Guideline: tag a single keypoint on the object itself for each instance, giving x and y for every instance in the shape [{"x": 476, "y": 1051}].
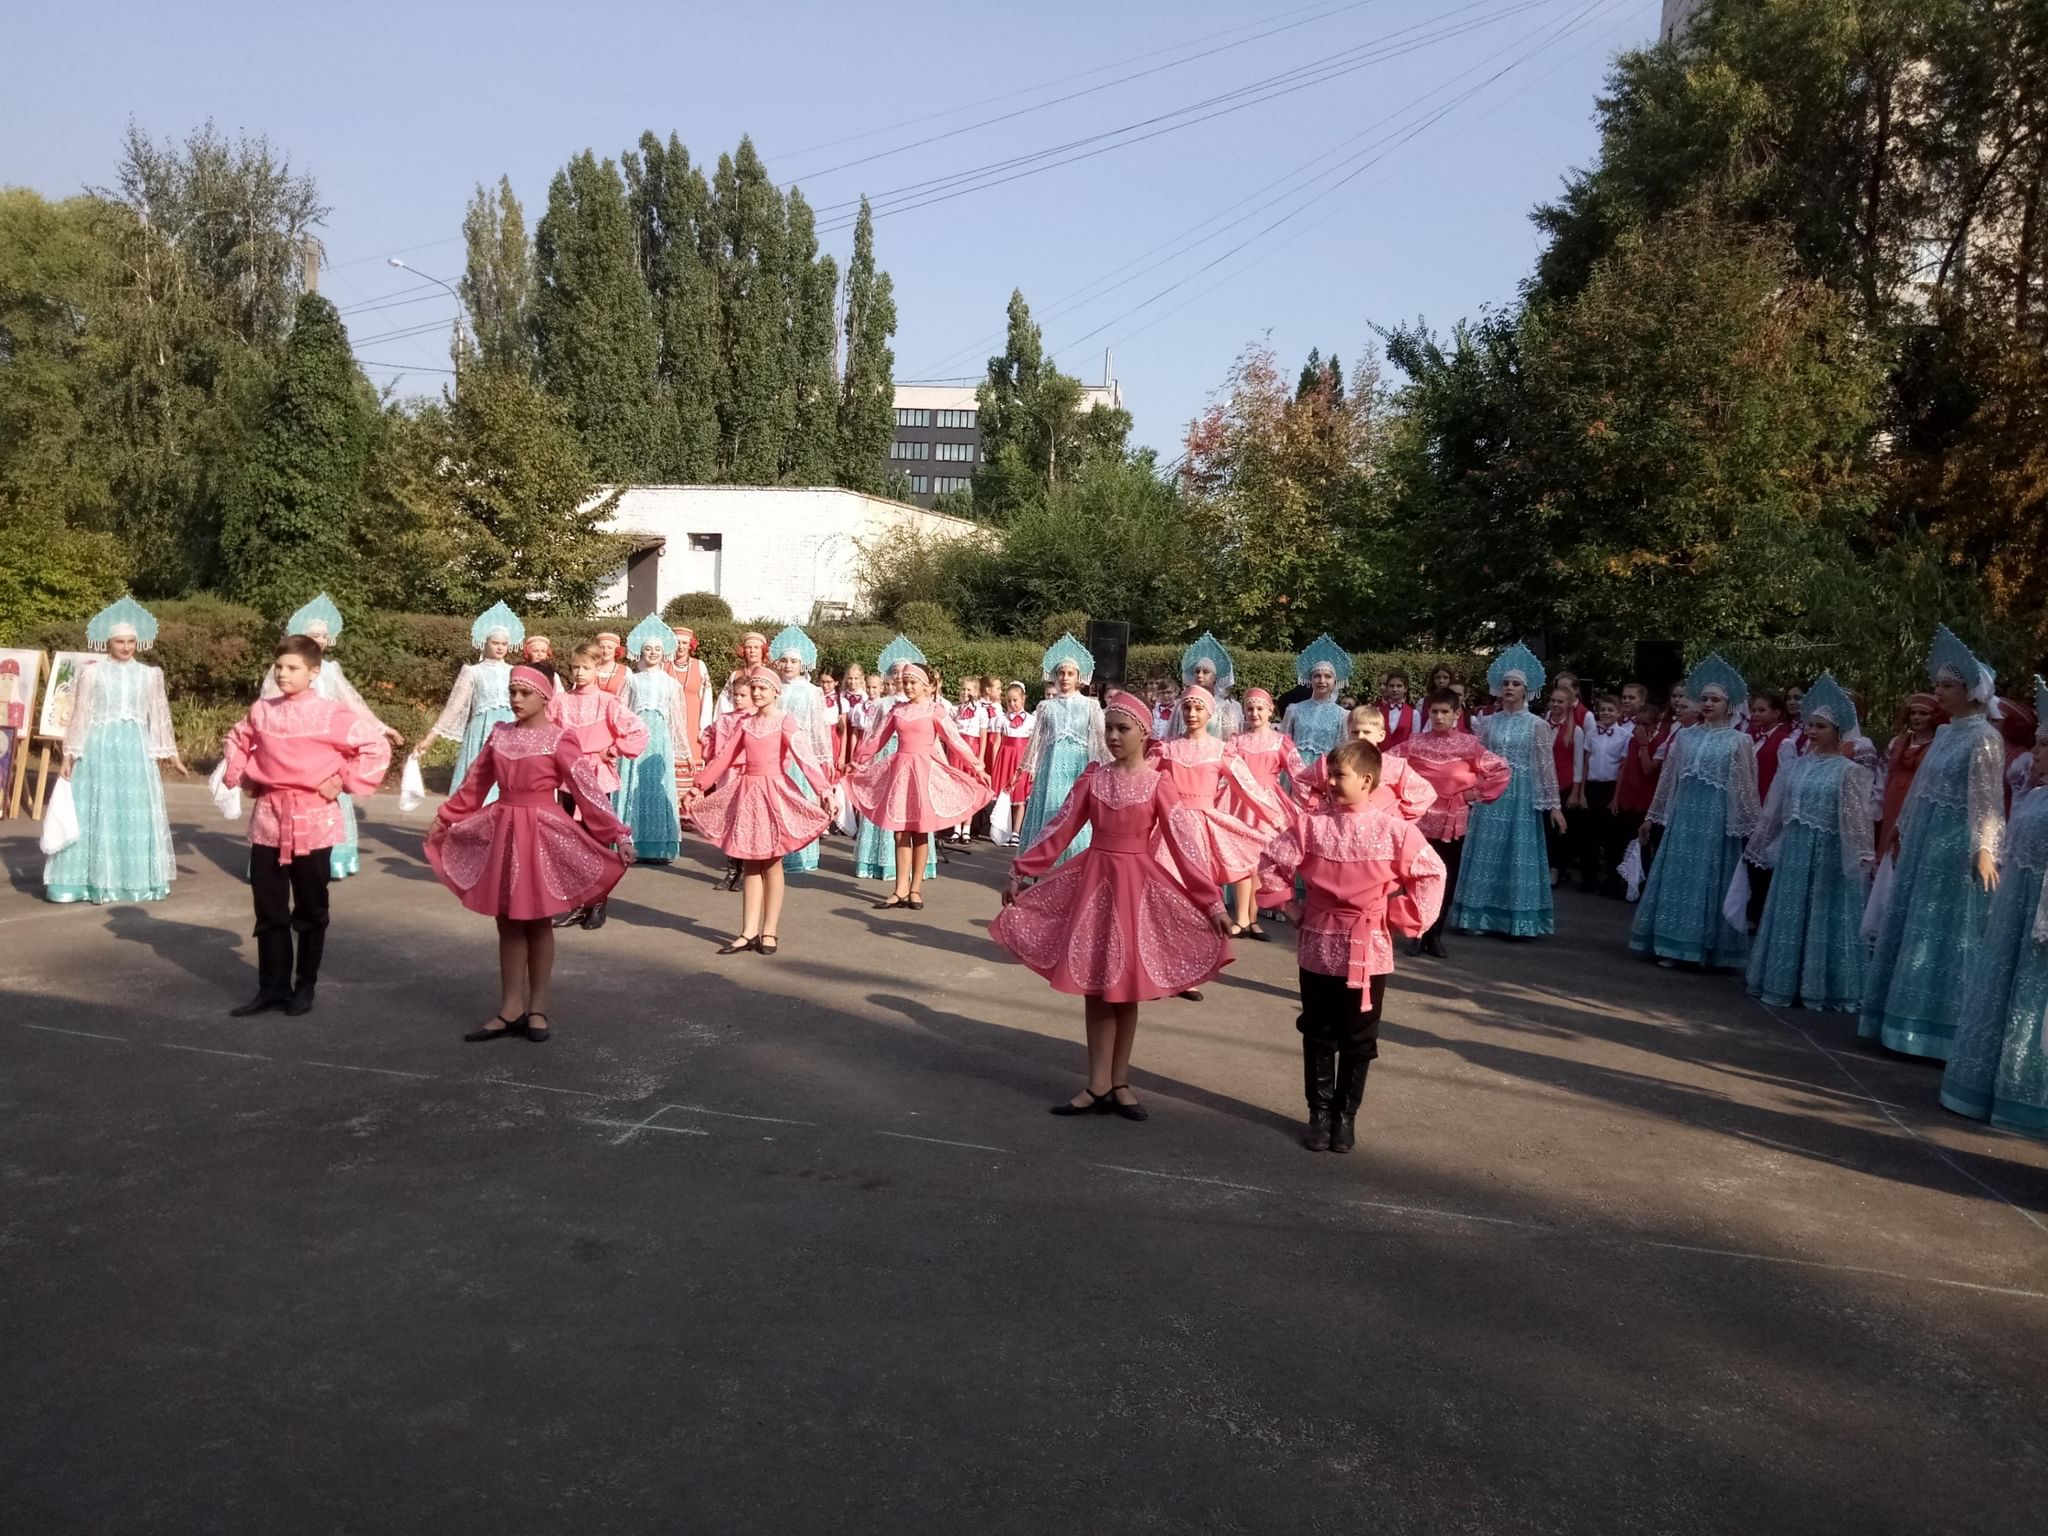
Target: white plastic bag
[
  {"x": 999, "y": 820},
  {"x": 1735, "y": 903},
  {"x": 60, "y": 819},
  {"x": 1631, "y": 869},
  {"x": 227, "y": 801},
  {"x": 412, "y": 788}
]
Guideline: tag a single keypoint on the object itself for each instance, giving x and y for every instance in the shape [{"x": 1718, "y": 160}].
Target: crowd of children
[{"x": 1757, "y": 831}]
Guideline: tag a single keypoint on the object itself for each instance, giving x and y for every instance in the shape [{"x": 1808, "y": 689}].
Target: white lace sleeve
[
  {"x": 1743, "y": 809},
  {"x": 345, "y": 692},
  {"x": 1987, "y": 792},
  {"x": 1543, "y": 748},
  {"x": 1040, "y": 743},
  {"x": 1098, "y": 742},
  {"x": 1859, "y": 832},
  {"x": 163, "y": 736},
  {"x": 1667, "y": 782},
  {"x": 1762, "y": 848},
  {"x": 454, "y": 719},
  {"x": 679, "y": 743},
  {"x": 79, "y": 726}
]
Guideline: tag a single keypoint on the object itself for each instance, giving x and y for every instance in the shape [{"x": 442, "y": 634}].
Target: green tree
[
  {"x": 593, "y": 323},
  {"x": 867, "y": 394},
  {"x": 671, "y": 213},
  {"x": 498, "y": 280},
  {"x": 750, "y": 225},
  {"x": 1034, "y": 433},
  {"x": 810, "y": 284},
  {"x": 288, "y": 521}
]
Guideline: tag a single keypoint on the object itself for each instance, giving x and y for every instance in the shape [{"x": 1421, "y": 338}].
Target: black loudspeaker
[
  {"x": 1659, "y": 664},
  {"x": 1110, "y": 643}
]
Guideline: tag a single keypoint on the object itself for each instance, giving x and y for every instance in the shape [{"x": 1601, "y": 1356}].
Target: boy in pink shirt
[{"x": 297, "y": 754}]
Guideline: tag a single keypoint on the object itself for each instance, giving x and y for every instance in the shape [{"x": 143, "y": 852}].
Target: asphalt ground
[{"x": 790, "y": 1243}]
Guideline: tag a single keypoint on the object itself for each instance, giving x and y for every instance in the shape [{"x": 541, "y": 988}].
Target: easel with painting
[{"x": 21, "y": 671}]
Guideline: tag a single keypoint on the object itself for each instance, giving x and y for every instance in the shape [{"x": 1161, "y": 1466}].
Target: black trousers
[
  {"x": 291, "y": 901},
  {"x": 1453, "y": 855},
  {"x": 1598, "y": 853},
  {"x": 1339, "y": 1016}
]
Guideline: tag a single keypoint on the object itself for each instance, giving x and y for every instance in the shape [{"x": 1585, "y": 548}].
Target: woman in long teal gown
[
  {"x": 793, "y": 654},
  {"x": 1998, "y": 1070},
  {"x": 647, "y": 800},
  {"x": 1316, "y": 723},
  {"x": 1504, "y": 879},
  {"x": 482, "y": 696},
  {"x": 1816, "y": 837},
  {"x": 119, "y": 730},
  {"x": 320, "y": 622},
  {"x": 1706, "y": 806},
  {"x": 1943, "y": 867},
  {"x": 874, "y": 854},
  {"x": 1066, "y": 736}
]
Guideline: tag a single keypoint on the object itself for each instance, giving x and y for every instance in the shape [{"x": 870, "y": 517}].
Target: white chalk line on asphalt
[
  {"x": 726, "y": 1114},
  {"x": 208, "y": 1050},
  {"x": 629, "y": 1128},
  {"x": 1932, "y": 1148},
  {"x": 342, "y": 1066}
]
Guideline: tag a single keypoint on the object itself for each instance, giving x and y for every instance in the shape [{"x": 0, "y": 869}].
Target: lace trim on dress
[
  {"x": 1121, "y": 789},
  {"x": 1350, "y": 839},
  {"x": 525, "y": 740},
  {"x": 1095, "y": 952}
]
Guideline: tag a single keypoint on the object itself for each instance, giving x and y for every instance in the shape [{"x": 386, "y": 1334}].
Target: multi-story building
[
  {"x": 1677, "y": 15},
  {"x": 937, "y": 442}
]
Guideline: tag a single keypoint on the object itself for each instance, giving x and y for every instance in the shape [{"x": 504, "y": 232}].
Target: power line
[
  {"x": 400, "y": 335},
  {"x": 371, "y": 362},
  {"x": 982, "y": 178}
]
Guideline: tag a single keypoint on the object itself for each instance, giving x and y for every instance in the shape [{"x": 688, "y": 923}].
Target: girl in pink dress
[
  {"x": 1366, "y": 873},
  {"x": 1202, "y": 770},
  {"x": 1266, "y": 797},
  {"x": 522, "y": 859},
  {"x": 756, "y": 814},
  {"x": 914, "y": 791},
  {"x": 1110, "y": 925}
]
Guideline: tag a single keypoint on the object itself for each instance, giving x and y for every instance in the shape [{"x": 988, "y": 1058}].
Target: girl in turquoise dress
[
  {"x": 1504, "y": 880},
  {"x": 481, "y": 698},
  {"x": 1316, "y": 724},
  {"x": 646, "y": 800},
  {"x": 1941, "y": 870},
  {"x": 793, "y": 654},
  {"x": 320, "y": 622},
  {"x": 1817, "y": 837},
  {"x": 874, "y": 855},
  {"x": 1066, "y": 736},
  {"x": 119, "y": 730},
  {"x": 1998, "y": 1070},
  {"x": 1706, "y": 808}
]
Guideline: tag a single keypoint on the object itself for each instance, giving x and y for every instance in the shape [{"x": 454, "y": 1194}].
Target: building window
[
  {"x": 707, "y": 543},
  {"x": 902, "y": 450},
  {"x": 946, "y": 483},
  {"x": 920, "y": 484},
  {"x": 955, "y": 418},
  {"x": 958, "y": 453},
  {"x": 907, "y": 417}
]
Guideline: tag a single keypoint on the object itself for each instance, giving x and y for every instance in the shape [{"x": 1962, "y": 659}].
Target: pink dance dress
[
  {"x": 756, "y": 812},
  {"x": 522, "y": 856},
  {"x": 1260, "y": 798},
  {"x": 913, "y": 789},
  {"x": 1198, "y": 768},
  {"x": 1111, "y": 923},
  {"x": 1462, "y": 772}
]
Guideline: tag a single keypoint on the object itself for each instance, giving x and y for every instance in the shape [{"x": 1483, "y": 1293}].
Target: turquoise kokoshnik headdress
[
  {"x": 1516, "y": 661},
  {"x": 1826, "y": 700},
  {"x": 318, "y": 620},
  {"x": 651, "y": 631},
  {"x": 896, "y": 652},
  {"x": 123, "y": 619},
  {"x": 497, "y": 620},
  {"x": 1063, "y": 650},
  {"x": 1318, "y": 651},
  {"x": 792, "y": 641},
  {"x": 1211, "y": 650},
  {"x": 1716, "y": 671},
  {"x": 1949, "y": 657}
]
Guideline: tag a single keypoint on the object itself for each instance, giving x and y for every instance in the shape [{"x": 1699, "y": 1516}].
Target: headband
[
  {"x": 766, "y": 675},
  {"x": 608, "y": 634},
  {"x": 535, "y": 679},
  {"x": 1130, "y": 706},
  {"x": 1257, "y": 693},
  {"x": 1197, "y": 691}
]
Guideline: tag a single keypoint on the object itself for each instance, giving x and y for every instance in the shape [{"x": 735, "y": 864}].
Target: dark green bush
[
  {"x": 696, "y": 607},
  {"x": 924, "y": 617}
]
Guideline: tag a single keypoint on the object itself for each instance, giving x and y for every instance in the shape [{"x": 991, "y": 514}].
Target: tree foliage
[
  {"x": 867, "y": 394},
  {"x": 498, "y": 279},
  {"x": 1034, "y": 434}
]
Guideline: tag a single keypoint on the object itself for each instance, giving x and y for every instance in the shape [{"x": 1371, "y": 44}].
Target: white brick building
[{"x": 772, "y": 552}]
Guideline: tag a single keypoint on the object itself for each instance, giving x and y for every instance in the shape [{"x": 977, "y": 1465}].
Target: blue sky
[{"x": 399, "y": 110}]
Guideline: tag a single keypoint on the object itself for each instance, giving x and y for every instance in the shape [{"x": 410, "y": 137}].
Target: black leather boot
[
  {"x": 1319, "y": 1087},
  {"x": 1351, "y": 1070},
  {"x": 273, "y": 974}
]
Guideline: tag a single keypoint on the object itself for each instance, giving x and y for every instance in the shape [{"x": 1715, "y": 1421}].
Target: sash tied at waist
[
  {"x": 297, "y": 816},
  {"x": 1121, "y": 842},
  {"x": 528, "y": 799},
  {"x": 1358, "y": 924}
]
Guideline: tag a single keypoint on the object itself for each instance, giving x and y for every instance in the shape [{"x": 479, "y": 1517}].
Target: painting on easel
[
  {"x": 65, "y": 667},
  {"x": 20, "y": 673}
]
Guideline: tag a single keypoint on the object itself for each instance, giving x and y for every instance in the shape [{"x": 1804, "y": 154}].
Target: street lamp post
[{"x": 453, "y": 293}]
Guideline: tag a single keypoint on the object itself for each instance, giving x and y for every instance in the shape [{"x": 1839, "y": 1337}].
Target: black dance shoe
[
  {"x": 262, "y": 1002},
  {"x": 1098, "y": 1104},
  {"x": 1127, "y": 1111},
  {"x": 301, "y": 1002}
]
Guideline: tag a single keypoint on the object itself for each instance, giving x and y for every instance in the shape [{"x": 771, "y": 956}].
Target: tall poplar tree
[
  {"x": 497, "y": 279},
  {"x": 1034, "y": 434},
  {"x": 810, "y": 284},
  {"x": 671, "y": 205},
  {"x": 593, "y": 323},
  {"x": 287, "y": 522},
  {"x": 753, "y": 317},
  {"x": 867, "y": 396}
]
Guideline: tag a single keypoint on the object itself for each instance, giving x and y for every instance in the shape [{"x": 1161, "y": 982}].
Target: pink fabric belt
[
  {"x": 1121, "y": 842},
  {"x": 297, "y": 816},
  {"x": 528, "y": 799},
  {"x": 1359, "y": 923}
]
